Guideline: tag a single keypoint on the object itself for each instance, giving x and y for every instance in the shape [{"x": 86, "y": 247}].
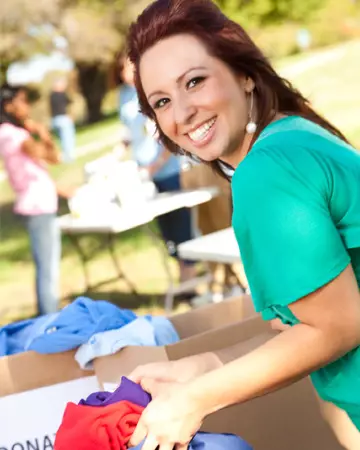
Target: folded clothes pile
[
  {"x": 96, "y": 328},
  {"x": 107, "y": 421}
]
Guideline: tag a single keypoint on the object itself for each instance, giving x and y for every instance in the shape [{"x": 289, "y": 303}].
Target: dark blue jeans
[
  {"x": 176, "y": 226},
  {"x": 45, "y": 244}
]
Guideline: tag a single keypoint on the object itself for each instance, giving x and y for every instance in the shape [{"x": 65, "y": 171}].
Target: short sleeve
[
  {"x": 288, "y": 241},
  {"x": 11, "y": 139}
]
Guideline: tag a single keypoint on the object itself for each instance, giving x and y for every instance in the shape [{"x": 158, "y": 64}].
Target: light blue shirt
[
  {"x": 145, "y": 148},
  {"x": 143, "y": 331}
]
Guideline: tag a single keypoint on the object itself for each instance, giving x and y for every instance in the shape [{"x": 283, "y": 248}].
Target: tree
[
  {"x": 95, "y": 31},
  {"x": 22, "y": 32},
  {"x": 265, "y": 12},
  {"x": 92, "y": 44}
]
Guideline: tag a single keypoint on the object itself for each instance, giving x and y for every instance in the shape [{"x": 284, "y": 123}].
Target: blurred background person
[
  {"x": 27, "y": 149},
  {"x": 163, "y": 167},
  {"x": 213, "y": 216},
  {"x": 61, "y": 122}
]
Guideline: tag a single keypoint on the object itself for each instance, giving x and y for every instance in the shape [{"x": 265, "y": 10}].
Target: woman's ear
[{"x": 249, "y": 84}]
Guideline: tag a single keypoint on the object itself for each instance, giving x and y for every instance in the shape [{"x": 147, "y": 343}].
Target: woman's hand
[
  {"x": 39, "y": 129},
  {"x": 170, "y": 421},
  {"x": 179, "y": 371}
]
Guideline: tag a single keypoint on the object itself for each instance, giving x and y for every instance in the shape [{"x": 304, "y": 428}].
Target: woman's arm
[
  {"x": 43, "y": 146},
  {"x": 39, "y": 129},
  {"x": 41, "y": 151},
  {"x": 330, "y": 328}
]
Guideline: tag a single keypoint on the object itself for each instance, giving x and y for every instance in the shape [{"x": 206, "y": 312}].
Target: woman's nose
[{"x": 184, "y": 112}]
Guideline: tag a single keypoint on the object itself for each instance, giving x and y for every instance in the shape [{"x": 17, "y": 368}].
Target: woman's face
[
  {"x": 198, "y": 101},
  {"x": 19, "y": 107}
]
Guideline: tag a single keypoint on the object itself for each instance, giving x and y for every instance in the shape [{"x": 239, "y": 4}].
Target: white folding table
[
  {"x": 218, "y": 247},
  {"x": 125, "y": 219}
]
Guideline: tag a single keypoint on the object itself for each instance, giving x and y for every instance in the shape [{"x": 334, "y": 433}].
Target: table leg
[
  {"x": 74, "y": 239},
  {"x": 230, "y": 272},
  {"x": 86, "y": 257},
  {"x": 157, "y": 240},
  {"x": 121, "y": 275}
]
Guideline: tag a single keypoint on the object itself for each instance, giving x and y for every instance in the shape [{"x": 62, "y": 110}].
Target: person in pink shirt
[{"x": 27, "y": 149}]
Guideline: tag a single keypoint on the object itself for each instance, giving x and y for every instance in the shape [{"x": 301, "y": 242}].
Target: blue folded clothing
[
  {"x": 16, "y": 337},
  {"x": 143, "y": 331},
  {"x": 77, "y": 322},
  {"x": 101, "y": 327}
]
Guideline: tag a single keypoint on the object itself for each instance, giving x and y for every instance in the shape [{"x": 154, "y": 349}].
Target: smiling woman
[
  {"x": 190, "y": 61},
  {"x": 296, "y": 200},
  {"x": 191, "y": 101}
]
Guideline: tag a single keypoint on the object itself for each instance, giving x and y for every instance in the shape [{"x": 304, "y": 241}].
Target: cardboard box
[
  {"x": 34, "y": 388},
  {"x": 289, "y": 419}
]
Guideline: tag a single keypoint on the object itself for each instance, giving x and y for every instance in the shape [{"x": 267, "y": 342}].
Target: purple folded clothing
[{"x": 127, "y": 391}]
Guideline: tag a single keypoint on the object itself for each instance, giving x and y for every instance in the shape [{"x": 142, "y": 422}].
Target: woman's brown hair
[{"x": 227, "y": 41}]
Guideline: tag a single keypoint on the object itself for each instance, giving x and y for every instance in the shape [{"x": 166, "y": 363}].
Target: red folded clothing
[{"x": 89, "y": 428}]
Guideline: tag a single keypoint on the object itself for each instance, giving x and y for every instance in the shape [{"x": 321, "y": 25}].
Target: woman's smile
[{"x": 203, "y": 134}]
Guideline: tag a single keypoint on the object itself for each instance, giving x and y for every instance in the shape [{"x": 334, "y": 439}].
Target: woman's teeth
[{"x": 200, "y": 133}]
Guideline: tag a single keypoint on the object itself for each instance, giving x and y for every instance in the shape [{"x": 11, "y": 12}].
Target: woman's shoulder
[
  {"x": 296, "y": 147},
  {"x": 9, "y": 131},
  {"x": 6, "y": 128},
  {"x": 293, "y": 125}
]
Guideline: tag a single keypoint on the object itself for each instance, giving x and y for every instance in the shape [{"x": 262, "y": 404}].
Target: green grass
[
  {"x": 90, "y": 133},
  {"x": 334, "y": 89}
]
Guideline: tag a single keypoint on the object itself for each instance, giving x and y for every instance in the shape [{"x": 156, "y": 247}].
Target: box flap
[
  {"x": 110, "y": 369},
  {"x": 30, "y": 370},
  {"x": 213, "y": 316},
  {"x": 218, "y": 338}
]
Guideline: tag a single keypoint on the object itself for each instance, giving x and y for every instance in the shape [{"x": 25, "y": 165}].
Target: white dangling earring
[{"x": 251, "y": 127}]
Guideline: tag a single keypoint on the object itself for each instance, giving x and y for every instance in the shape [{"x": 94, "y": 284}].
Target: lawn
[
  {"x": 90, "y": 133},
  {"x": 334, "y": 89},
  {"x": 332, "y": 84}
]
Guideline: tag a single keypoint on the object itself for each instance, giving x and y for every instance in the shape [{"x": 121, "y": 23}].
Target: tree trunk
[
  {"x": 93, "y": 84},
  {"x": 4, "y": 66}
]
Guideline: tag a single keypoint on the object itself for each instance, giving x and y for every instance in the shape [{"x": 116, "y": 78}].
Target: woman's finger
[
  {"x": 156, "y": 387},
  {"x": 136, "y": 375},
  {"x": 151, "y": 443},
  {"x": 182, "y": 446},
  {"x": 138, "y": 435},
  {"x": 149, "y": 385},
  {"x": 167, "y": 447}
]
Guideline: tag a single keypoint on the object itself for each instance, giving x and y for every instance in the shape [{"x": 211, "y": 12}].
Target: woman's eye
[
  {"x": 194, "y": 82},
  {"x": 161, "y": 103}
]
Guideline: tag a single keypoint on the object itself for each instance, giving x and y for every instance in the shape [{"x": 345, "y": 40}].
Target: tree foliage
[
  {"x": 21, "y": 23},
  {"x": 265, "y": 12},
  {"x": 95, "y": 31}
]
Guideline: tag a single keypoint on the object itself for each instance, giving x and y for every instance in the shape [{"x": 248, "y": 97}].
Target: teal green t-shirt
[{"x": 296, "y": 218}]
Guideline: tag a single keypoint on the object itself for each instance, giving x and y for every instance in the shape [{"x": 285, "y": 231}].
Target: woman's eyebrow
[{"x": 178, "y": 80}]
